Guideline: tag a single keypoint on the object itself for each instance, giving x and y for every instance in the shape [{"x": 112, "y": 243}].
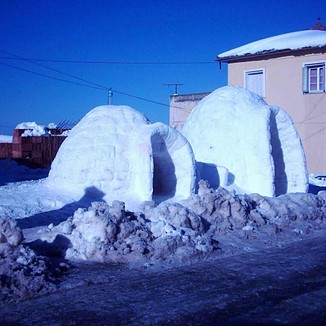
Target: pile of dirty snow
[
  {"x": 111, "y": 234},
  {"x": 206, "y": 223},
  {"x": 23, "y": 274}
]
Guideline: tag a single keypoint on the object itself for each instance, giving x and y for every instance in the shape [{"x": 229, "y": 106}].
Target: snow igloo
[
  {"x": 114, "y": 149},
  {"x": 242, "y": 142}
]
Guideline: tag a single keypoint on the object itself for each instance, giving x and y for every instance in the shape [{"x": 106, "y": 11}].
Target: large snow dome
[
  {"x": 240, "y": 141},
  {"x": 115, "y": 150}
]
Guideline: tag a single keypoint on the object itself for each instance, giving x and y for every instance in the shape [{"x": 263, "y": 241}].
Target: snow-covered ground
[
  {"x": 38, "y": 221},
  {"x": 282, "y": 285},
  {"x": 5, "y": 139}
]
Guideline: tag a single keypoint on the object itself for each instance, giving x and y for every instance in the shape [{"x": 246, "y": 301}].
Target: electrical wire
[
  {"x": 55, "y": 70},
  {"x": 140, "y": 98},
  {"x": 96, "y": 85},
  {"x": 112, "y": 62},
  {"x": 50, "y": 77}
]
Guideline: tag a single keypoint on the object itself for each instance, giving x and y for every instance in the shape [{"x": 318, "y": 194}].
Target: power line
[
  {"x": 50, "y": 77},
  {"x": 113, "y": 62},
  {"x": 97, "y": 86},
  {"x": 140, "y": 98},
  {"x": 55, "y": 70}
]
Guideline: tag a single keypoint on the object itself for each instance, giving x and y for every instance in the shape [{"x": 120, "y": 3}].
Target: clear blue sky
[{"x": 126, "y": 31}]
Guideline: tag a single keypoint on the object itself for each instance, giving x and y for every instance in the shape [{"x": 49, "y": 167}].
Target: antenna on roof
[
  {"x": 318, "y": 26},
  {"x": 175, "y": 87}
]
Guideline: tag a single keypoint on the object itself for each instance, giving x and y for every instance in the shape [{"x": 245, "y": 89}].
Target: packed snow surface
[
  {"x": 241, "y": 142},
  {"x": 115, "y": 150},
  {"x": 23, "y": 274},
  {"x": 34, "y": 129},
  {"x": 317, "y": 179},
  {"x": 34, "y": 125},
  {"x": 5, "y": 139},
  {"x": 36, "y": 220},
  {"x": 195, "y": 228},
  {"x": 289, "y": 41}
]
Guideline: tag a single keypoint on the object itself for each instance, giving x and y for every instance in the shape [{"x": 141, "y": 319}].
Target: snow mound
[
  {"x": 33, "y": 129},
  {"x": 110, "y": 234},
  {"x": 116, "y": 150},
  {"x": 206, "y": 223},
  {"x": 23, "y": 274},
  {"x": 34, "y": 125},
  {"x": 227, "y": 213},
  {"x": 242, "y": 142}
]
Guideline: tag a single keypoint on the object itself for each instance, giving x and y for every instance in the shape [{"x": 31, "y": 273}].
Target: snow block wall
[
  {"x": 117, "y": 151},
  {"x": 240, "y": 141}
]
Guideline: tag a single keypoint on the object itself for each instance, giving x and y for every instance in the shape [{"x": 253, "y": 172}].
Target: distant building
[
  {"x": 181, "y": 106},
  {"x": 33, "y": 151},
  {"x": 288, "y": 71}
]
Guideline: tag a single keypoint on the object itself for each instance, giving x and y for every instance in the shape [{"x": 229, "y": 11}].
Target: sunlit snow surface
[
  {"x": 289, "y": 41},
  {"x": 116, "y": 151},
  {"x": 257, "y": 144},
  {"x": 5, "y": 139},
  {"x": 137, "y": 247}
]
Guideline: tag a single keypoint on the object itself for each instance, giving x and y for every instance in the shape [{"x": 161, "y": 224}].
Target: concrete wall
[
  {"x": 283, "y": 88},
  {"x": 181, "y": 106}
]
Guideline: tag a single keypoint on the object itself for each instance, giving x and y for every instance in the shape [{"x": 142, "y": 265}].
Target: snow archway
[
  {"x": 287, "y": 151},
  {"x": 169, "y": 167},
  {"x": 116, "y": 150},
  {"x": 164, "y": 178}
]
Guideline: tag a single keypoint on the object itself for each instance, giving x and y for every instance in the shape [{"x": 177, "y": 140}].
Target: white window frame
[
  {"x": 306, "y": 84},
  {"x": 255, "y": 71}
]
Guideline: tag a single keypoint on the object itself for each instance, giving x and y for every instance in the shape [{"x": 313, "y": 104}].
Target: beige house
[{"x": 288, "y": 71}]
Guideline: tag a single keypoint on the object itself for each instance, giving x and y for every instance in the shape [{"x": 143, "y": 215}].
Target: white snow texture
[
  {"x": 115, "y": 150},
  {"x": 291, "y": 41},
  {"x": 236, "y": 133}
]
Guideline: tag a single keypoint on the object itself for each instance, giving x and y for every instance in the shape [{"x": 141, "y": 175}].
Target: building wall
[
  {"x": 5, "y": 150},
  {"x": 181, "y": 106},
  {"x": 283, "y": 88},
  {"x": 35, "y": 151}
]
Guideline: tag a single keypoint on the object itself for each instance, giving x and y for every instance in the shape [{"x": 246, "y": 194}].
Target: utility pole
[
  {"x": 175, "y": 87},
  {"x": 110, "y": 96}
]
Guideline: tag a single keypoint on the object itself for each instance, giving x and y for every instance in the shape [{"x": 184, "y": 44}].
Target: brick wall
[
  {"x": 5, "y": 150},
  {"x": 37, "y": 151}
]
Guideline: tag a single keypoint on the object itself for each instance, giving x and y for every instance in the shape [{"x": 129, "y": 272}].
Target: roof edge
[{"x": 272, "y": 54}]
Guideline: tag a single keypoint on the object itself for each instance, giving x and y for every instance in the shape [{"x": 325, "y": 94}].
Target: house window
[
  {"x": 254, "y": 81},
  {"x": 313, "y": 78}
]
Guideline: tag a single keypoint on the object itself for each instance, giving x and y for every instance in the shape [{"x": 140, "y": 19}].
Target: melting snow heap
[
  {"x": 242, "y": 142},
  {"x": 115, "y": 150}
]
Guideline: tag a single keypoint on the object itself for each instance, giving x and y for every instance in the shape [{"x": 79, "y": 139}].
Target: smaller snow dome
[
  {"x": 236, "y": 131},
  {"x": 115, "y": 150}
]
